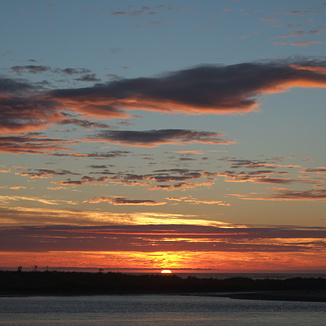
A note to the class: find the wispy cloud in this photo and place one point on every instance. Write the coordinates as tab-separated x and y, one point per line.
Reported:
35	69
306	43
319	170
88	78
299	33
84	180
282	194
195	201
124	201
8	199
32	144
168	179
46	173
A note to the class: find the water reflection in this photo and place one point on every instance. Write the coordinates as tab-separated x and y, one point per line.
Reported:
158	310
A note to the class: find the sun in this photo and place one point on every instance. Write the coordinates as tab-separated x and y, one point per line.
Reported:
165	271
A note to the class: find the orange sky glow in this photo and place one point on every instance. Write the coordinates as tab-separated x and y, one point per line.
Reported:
182	261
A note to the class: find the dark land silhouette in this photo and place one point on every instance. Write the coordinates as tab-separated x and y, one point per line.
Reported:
81	283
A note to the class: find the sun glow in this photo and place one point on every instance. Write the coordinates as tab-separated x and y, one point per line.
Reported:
166	271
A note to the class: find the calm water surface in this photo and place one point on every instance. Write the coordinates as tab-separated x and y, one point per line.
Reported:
158	310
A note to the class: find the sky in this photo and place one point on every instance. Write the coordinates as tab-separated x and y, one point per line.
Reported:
147	135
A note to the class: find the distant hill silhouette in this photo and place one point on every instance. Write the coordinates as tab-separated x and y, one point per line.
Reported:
77	283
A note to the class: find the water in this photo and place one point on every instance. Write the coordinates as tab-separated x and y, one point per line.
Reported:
158	310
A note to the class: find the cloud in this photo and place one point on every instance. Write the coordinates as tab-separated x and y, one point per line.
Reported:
85	180
189	152
281	43
303	12
83	123
98	166
33	216
255	177
204	89
7	199
181	186
46	173
267	171
319	170
283	194
32	144
32	69
35	69
72	71
17	187
88	78
294	34
299	33
168	179
109	154
162	238
306	43
10	86
194	201
145	10
21	114
207	89
254	164
20	108
151	138
124	201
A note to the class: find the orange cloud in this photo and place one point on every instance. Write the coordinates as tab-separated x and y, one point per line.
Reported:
124	201
191	200
306	43
206	89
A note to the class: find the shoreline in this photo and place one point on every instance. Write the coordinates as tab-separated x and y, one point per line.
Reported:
90	284
292	295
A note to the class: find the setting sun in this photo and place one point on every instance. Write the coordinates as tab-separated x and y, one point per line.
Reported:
166	271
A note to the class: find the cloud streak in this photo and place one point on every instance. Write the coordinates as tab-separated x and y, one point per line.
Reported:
32	144
282	194
151	138
143	238
35	69
124	201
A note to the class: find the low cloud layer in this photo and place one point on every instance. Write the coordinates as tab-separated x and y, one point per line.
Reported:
163	238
